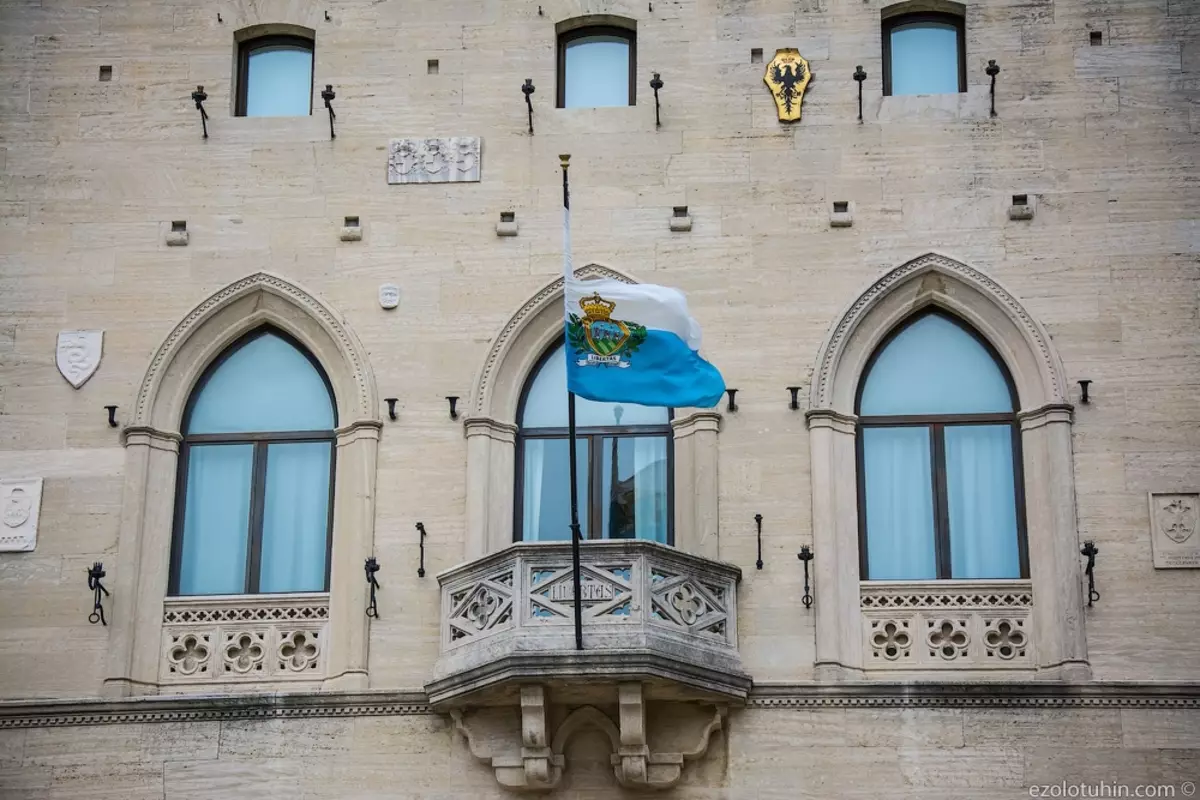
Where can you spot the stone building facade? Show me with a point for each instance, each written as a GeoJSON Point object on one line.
{"type": "Point", "coordinates": [417, 256]}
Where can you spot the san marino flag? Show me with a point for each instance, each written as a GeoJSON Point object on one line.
{"type": "Point", "coordinates": [633, 343]}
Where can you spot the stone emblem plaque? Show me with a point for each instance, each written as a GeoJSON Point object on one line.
{"type": "Point", "coordinates": [389, 296]}
{"type": "Point", "coordinates": [78, 355]}
{"type": "Point", "coordinates": [787, 77]}
{"type": "Point", "coordinates": [20, 502]}
{"type": "Point", "coordinates": [1174, 539]}
{"type": "Point", "coordinates": [454, 159]}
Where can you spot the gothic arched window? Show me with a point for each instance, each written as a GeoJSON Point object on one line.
{"type": "Point", "coordinates": [939, 459]}
{"type": "Point", "coordinates": [254, 500]}
{"type": "Point", "coordinates": [623, 456]}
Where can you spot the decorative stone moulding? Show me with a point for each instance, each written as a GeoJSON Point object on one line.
{"type": "Point", "coordinates": [1174, 518]}
{"type": "Point", "coordinates": [20, 504]}
{"type": "Point", "coordinates": [389, 296]}
{"type": "Point", "coordinates": [77, 355]}
{"type": "Point", "coordinates": [455, 159]}
{"type": "Point", "coordinates": [947, 624]}
{"type": "Point", "coordinates": [244, 639]}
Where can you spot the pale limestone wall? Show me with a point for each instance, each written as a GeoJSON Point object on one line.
{"type": "Point", "coordinates": [785, 754]}
{"type": "Point", "coordinates": [93, 173]}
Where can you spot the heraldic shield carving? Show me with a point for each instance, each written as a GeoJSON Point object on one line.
{"type": "Point", "coordinates": [787, 77]}
{"type": "Point", "coordinates": [78, 355]}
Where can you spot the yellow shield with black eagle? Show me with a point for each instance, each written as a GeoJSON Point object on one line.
{"type": "Point", "coordinates": [787, 77]}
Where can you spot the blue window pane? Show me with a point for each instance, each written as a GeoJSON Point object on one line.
{"type": "Point", "coordinates": [597, 72]}
{"type": "Point", "coordinates": [983, 508]}
{"type": "Point", "coordinates": [295, 517]}
{"type": "Point", "coordinates": [634, 488]}
{"type": "Point", "coordinates": [216, 519]}
{"type": "Point", "coordinates": [899, 504]}
{"type": "Point", "coordinates": [934, 366]}
{"type": "Point", "coordinates": [266, 385]}
{"type": "Point", "coordinates": [546, 403]}
{"type": "Point", "coordinates": [279, 82]}
{"type": "Point", "coordinates": [924, 58]}
{"type": "Point", "coordinates": [546, 505]}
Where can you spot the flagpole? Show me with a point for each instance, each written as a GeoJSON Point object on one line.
{"type": "Point", "coordinates": [575, 532]}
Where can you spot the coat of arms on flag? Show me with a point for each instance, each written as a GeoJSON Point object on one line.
{"type": "Point", "coordinates": [599, 339]}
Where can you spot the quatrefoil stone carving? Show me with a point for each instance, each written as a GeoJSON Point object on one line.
{"type": "Point", "coordinates": [1004, 639]}
{"type": "Point", "coordinates": [480, 610]}
{"type": "Point", "coordinates": [891, 641]}
{"type": "Point", "coordinates": [243, 653]}
{"type": "Point", "coordinates": [189, 654]}
{"type": "Point", "coordinates": [948, 638]}
{"type": "Point", "coordinates": [298, 650]}
{"type": "Point", "coordinates": [687, 603]}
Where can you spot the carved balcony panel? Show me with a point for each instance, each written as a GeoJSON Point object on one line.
{"type": "Point", "coordinates": [253, 641]}
{"type": "Point", "coordinates": [651, 614]}
{"type": "Point", "coordinates": [961, 625]}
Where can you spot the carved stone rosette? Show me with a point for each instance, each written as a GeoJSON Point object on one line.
{"type": "Point", "coordinates": [947, 625]}
{"type": "Point", "coordinates": [247, 639]}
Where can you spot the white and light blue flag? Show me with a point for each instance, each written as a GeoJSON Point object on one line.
{"type": "Point", "coordinates": [633, 343]}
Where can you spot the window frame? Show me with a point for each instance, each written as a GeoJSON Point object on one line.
{"type": "Point", "coordinates": [943, 17]}
{"type": "Point", "coordinates": [247, 47]}
{"type": "Point", "coordinates": [594, 435]}
{"type": "Point", "coordinates": [936, 423]}
{"type": "Point", "coordinates": [258, 476]}
{"type": "Point", "coordinates": [567, 37]}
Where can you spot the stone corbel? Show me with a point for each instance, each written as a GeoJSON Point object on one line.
{"type": "Point", "coordinates": [537, 768]}
{"type": "Point", "coordinates": [633, 764]}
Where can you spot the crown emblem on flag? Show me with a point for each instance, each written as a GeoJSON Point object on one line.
{"type": "Point", "coordinates": [596, 307]}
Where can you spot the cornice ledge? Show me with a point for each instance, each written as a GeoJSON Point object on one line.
{"type": "Point", "coordinates": [828, 418]}
{"type": "Point", "coordinates": [1034, 694]}
{"type": "Point", "coordinates": [210, 707]}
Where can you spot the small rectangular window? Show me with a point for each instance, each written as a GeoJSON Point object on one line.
{"type": "Point", "coordinates": [275, 76]}
{"type": "Point", "coordinates": [924, 54]}
{"type": "Point", "coordinates": [1096, 38]}
{"type": "Point", "coordinates": [106, 73]}
{"type": "Point", "coordinates": [597, 67]}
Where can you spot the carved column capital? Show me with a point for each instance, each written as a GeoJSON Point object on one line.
{"type": "Point", "coordinates": [492, 428]}
{"type": "Point", "coordinates": [696, 422]}
{"type": "Point", "coordinates": [1053, 413]}
{"type": "Point", "coordinates": [828, 418]}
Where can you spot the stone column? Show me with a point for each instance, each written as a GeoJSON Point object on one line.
{"type": "Point", "coordinates": [353, 529]}
{"type": "Point", "coordinates": [1054, 560]}
{"type": "Point", "coordinates": [696, 489]}
{"type": "Point", "coordinates": [491, 483]}
{"type": "Point", "coordinates": [143, 561]}
{"type": "Point", "coordinates": [835, 545]}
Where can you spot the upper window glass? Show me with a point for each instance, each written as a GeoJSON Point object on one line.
{"type": "Point", "coordinates": [623, 458]}
{"type": "Point", "coordinates": [933, 366]}
{"type": "Point", "coordinates": [275, 77]}
{"type": "Point", "coordinates": [256, 464]}
{"type": "Point", "coordinates": [924, 54]}
{"type": "Point", "coordinates": [940, 491]}
{"type": "Point", "coordinates": [596, 67]}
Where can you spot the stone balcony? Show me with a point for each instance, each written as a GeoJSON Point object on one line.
{"type": "Point", "coordinates": [650, 613]}
{"type": "Point", "coordinates": [659, 632]}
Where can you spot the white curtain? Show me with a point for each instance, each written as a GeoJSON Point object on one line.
{"type": "Point", "coordinates": [531, 505]}
{"type": "Point", "coordinates": [899, 504]}
{"type": "Point", "coordinates": [650, 488]}
{"type": "Point", "coordinates": [980, 494]}
{"type": "Point", "coordinates": [216, 519]}
{"type": "Point", "coordinates": [295, 517]}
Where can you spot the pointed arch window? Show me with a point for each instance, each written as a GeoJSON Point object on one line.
{"type": "Point", "coordinates": [939, 458]}
{"type": "Point", "coordinates": [254, 496]}
{"type": "Point", "coordinates": [624, 457]}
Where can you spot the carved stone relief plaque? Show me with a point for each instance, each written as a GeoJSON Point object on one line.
{"type": "Point", "coordinates": [78, 355]}
{"type": "Point", "coordinates": [454, 159]}
{"type": "Point", "coordinates": [20, 502]}
{"type": "Point", "coordinates": [1174, 539]}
